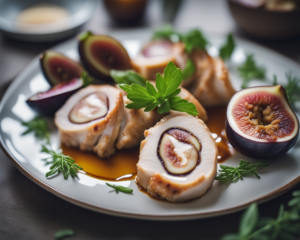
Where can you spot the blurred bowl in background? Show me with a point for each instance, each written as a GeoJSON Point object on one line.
{"type": "Point", "coordinates": [126, 11]}
{"type": "Point", "coordinates": [71, 15]}
{"type": "Point", "coordinates": [264, 23]}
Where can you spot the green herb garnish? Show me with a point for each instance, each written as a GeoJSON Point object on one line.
{"type": "Point", "coordinates": [86, 79]}
{"type": "Point", "coordinates": [84, 35]}
{"type": "Point", "coordinates": [227, 49]}
{"type": "Point", "coordinates": [120, 188]}
{"type": "Point", "coordinates": [165, 97]}
{"type": "Point", "coordinates": [189, 69]}
{"type": "Point", "coordinates": [229, 175]}
{"type": "Point", "coordinates": [286, 226]}
{"type": "Point", "coordinates": [63, 233]}
{"type": "Point", "coordinates": [250, 70]}
{"type": "Point", "coordinates": [60, 163]}
{"type": "Point", "coordinates": [292, 88]}
{"type": "Point", "coordinates": [38, 126]}
{"type": "Point", "coordinates": [128, 77]}
{"type": "Point", "coordinates": [167, 32]}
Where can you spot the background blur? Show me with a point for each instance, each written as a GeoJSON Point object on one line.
{"type": "Point", "coordinates": [29, 212]}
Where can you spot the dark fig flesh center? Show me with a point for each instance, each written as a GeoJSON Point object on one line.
{"type": "Point", "coordinates": [263, 116]}
{"type": "Point", "coordinates": [178, 151]}
{"type": "Point", "coordinates": [63, 69]}
{"type": "Point", "coordinates": [109, 55]}
{"type": "Point", "coordinates": [158, 48]}
{"type": "Point", "coordinates": [89, 108]}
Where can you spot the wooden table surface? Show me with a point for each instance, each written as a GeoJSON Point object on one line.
{"type": "Point", "coordinates": [30, 212]}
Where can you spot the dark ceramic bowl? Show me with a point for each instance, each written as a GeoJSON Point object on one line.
{"type": "Point", "coordinates": [266, 24]}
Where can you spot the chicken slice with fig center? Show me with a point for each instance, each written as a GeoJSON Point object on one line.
{"type": "Point", "coordinates": [91, 119]}
{"type": "Point", "coordinates": [178, 158]}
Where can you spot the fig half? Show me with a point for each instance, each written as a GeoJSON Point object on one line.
{"type": "Point", "coordinates": [99, 54]}
{"type": "Point", "coordinates": [47, 103]}
{"type": "Point", "coordinates": [260, 122]}
{"type": "Point", "coordinates": [58, 68]}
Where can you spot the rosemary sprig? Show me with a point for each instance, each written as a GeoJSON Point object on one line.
{"type": "Point", "coordinates": [38, 126]}
{"type": "Point", "coordinates": [60, 163]}
{"type": "Point", "coordinates": [63, 233]}
{"type": "Point", "coordinates": [286, 226]}
{"type": "Point", "coordinates": [120, 188]}
{"type": "Point", "coordinates": [229, 175]}
{"type": "Point", "coordinates": [250, 70]}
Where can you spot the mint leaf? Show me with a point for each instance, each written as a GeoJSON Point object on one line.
{"type": "Point", "coordinates": [161, 84]}
{"type": "Point", "coordinates": [164, 108]}
{"type": "Point", "coordinates": [188, 70]}
{"type": "Point", "coordinates": [128, 77]}
{"type": "Point", "coordinates": [151, 89]}
{"type": "Point", "coordinates": [227, 49]}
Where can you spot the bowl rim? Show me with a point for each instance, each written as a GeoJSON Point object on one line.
{"type": "Point", "coordinates": [75, 20]}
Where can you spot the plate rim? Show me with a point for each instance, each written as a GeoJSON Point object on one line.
{"type": "Point", "coordinates": [189, 216]}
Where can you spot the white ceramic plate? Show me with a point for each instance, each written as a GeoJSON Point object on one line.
{"type": "Point", "coordinates": [93, 194]}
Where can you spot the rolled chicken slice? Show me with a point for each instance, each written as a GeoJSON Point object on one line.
{"type": "Point", "coordinates": [155, 56]}
{"type": "Point", "coordinates": [91, 119]}
{"type": "Point", "coordinates": [136, 121]}
{"type": "Point", "coordinates": [178, 159]}
{"type": "Point", "coordinates": [212, 86]}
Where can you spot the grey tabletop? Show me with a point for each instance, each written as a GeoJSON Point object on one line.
{"type": "Point", "coordinates": [30, 212]}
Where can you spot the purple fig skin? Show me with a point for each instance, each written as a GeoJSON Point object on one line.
{"type": "Point", "coordinates": [89, 67]}
{"type": "Point", "coordinates": [69, 64]}
{"type": "Point", "coordinates": [49, 105]}
{"type": "Point", "coordinates": [258, 150]}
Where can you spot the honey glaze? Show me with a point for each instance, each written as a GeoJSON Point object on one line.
{"type": "Point", "coordinates": [120, 166]}
{"type": "Point", "coordinates": [216, 125]}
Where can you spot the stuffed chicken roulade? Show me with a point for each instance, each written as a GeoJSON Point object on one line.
{"type": "Point", "coordinates": [178, 158]}
{"type": "Point", "coordinates": [91, 119]}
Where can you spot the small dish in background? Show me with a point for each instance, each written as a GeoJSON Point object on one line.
{"type": "Point", "coordinates": [44, 21]}
{"type": "Point", "coordinates": [269, 19]}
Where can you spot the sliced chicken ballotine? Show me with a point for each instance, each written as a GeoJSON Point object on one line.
{"type": "Point", "coordinates": [178, 159]}
{"type": "Point", "coordinates": [91, 119]}
{"type": "Point", "coordinates": [136, 121]}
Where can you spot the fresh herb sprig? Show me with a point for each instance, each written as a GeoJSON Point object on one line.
{"type": "Point", "coordinates": [120, 188]}
{"type": "Point", "coordinates": [63, 233]}
{"type": "Point", "coordinates": [188, 70]}
{"type": "Point", "coordinates": [286, 226]}
{"type": "Point", "coordinates": [86, 79]}
{"type": "Point", "coordinates": [292, 87]}
{"type": "Point", "coordinates": [60, 163]}
{"type": "Point", "coordinates": [229, 175]}
{"type": "Point", "coordinates": [165, 97]}
{"type": "Point", "coordinates": [227, 48]}
{"type": "Point", "coordinates": [250, 70]}
{"type": "Point", "coordinates": [128, 77]}
{"type": "Point", "coordinates": [38, 126]}
{"type": "Point", "coordinates": [193, 39]}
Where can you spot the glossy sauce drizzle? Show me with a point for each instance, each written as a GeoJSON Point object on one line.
{"type": "Point", "coordinates": [216, 125]}
{"type": "Point", "coordinates": [122, 165]}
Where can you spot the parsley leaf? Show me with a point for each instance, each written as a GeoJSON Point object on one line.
{"type": "Point", "coordinates": [39, 127]}
{"type": "Point", "coordinates": [63, 233]}
{"type": "Point", "coordinates": [188, 70]}
{"type": "Point", "coordinates": [60, 163]}
{"type": "Point", "coordinates": [227, 49]}
{"type": "Point", "coordinates": [165, 97]}
{"type": "Point", "coordinates": [250, 70]}
{"type": "Point", "coordinates": [233, 174]}
{"type": "Point", "coordinates": [192, 39]}
{"type": "Point", "coordinates": [292, 88]}
{"type": "Point", "coordinates": [128, 77]}
{"type": "Point", "coordinates": [120, 188]}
